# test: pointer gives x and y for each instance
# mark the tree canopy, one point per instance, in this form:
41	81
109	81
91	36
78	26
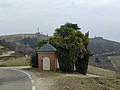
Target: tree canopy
71	45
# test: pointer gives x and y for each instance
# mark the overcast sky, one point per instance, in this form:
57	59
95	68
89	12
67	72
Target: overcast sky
100	17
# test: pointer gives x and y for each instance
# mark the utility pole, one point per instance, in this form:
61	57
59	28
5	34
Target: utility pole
47	38
24	44
38	30
38	33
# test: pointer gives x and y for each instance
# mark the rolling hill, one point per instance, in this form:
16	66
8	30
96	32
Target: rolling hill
98	45
18	37
101	48
23	43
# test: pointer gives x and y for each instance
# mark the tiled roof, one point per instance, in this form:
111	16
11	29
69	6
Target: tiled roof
47	48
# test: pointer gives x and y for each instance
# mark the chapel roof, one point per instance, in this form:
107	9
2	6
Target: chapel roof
47	48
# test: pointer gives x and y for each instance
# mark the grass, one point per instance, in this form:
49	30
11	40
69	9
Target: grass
110	81
77	83
91	70
17	37
63	81
41	73
11	38
1	47
116	61
6	58
101	72
14	61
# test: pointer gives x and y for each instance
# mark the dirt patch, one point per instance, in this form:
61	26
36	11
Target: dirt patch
48	80
63	82
46	83
73	82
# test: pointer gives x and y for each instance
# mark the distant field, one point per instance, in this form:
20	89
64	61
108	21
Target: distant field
101	72
102	62
17	37
1	47
116	62
2	50
14	61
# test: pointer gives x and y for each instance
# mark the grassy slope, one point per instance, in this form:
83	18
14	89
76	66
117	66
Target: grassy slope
17	37
101	72
116	61
99	45
62	81
110	82
14	61
1	47
104	62
77	83
44	74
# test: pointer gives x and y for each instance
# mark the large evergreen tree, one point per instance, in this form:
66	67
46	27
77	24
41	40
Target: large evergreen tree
72	47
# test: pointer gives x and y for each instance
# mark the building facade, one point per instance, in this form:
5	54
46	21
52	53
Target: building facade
47	59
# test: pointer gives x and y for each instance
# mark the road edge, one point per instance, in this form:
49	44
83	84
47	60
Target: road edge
31	79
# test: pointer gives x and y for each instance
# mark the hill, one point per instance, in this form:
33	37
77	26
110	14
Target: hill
105	53
98	45
18	37
23	43
101	48
115	60
101	61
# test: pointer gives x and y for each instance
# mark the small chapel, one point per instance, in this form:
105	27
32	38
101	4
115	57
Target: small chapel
47	58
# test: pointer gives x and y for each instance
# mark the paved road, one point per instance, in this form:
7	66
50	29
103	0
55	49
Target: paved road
14	80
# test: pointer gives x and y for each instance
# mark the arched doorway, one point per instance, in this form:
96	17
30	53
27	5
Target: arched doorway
46	63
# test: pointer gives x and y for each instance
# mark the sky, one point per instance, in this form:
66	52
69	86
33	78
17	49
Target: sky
99	17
